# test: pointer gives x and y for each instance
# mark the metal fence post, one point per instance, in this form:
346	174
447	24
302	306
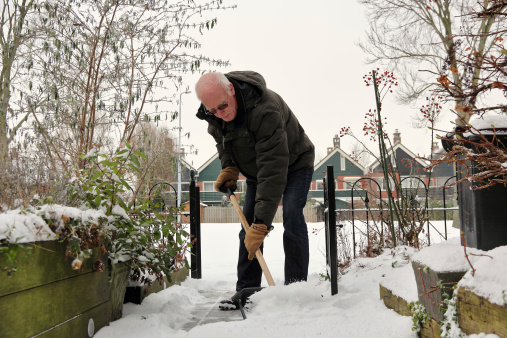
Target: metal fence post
195	229
330	224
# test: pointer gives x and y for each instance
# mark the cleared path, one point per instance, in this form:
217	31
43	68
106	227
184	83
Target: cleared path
208	311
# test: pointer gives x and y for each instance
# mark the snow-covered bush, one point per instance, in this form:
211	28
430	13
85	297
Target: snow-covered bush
102	217
154	241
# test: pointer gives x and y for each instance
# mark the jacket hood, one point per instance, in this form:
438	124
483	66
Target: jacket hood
253	78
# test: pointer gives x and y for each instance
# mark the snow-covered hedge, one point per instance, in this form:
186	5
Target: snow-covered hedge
155	242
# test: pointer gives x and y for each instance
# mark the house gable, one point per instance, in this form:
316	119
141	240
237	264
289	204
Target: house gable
334	158
186	168
443	169
210	170
406	161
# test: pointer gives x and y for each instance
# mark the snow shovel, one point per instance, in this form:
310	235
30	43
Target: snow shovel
258	253
247	292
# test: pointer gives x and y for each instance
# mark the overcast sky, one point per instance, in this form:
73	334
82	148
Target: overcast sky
307	52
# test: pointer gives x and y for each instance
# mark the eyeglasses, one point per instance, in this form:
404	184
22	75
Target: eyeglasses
223	106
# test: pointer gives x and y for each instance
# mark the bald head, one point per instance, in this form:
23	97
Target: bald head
215	91
210	84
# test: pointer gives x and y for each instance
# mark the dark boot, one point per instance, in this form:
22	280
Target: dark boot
233	303
240	297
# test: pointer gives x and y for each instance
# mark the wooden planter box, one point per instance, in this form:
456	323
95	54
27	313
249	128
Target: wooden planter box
46	297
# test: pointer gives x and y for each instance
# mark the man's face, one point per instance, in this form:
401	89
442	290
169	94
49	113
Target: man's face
222	104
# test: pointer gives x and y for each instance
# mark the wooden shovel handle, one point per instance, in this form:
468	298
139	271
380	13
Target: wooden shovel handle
258	253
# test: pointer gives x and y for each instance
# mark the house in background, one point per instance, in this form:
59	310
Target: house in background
441	175
409	168
411	172
206	177
186	169
347	172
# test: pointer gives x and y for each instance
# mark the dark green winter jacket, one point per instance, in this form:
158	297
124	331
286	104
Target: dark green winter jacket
265	140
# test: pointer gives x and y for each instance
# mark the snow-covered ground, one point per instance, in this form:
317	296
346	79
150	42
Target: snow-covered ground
298	310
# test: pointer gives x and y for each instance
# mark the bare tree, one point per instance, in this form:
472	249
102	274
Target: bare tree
14	15
103	67
429	44
160	164
480	152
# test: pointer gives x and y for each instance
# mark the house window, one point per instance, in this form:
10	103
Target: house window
208	186
391	184
342	163
348	182
320	186
411	183
185	186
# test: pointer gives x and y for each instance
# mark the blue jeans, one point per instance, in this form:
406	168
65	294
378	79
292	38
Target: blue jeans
295	236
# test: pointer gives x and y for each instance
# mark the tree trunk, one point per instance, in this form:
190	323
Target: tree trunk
10	44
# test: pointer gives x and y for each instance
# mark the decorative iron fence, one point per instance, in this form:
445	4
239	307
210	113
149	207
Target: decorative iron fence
366	213
162	196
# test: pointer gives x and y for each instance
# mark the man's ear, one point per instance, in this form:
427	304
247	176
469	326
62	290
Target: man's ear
231	88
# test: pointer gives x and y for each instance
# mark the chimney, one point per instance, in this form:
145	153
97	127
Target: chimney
435	147
182	150
396	137
329	150
336	141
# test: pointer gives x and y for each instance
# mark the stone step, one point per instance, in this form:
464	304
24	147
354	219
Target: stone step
476	314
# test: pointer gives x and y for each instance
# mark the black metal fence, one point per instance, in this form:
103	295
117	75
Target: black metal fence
410	194
332	216
163	199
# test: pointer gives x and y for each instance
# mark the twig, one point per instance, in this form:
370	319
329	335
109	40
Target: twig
424	287
466	255
481	255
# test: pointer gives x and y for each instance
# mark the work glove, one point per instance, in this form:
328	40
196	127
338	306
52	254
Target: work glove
227	179
254	238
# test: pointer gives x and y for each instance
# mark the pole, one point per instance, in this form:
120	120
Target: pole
178	201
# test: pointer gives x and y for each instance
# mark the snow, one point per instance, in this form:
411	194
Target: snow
93	152
490	279
58	212
17	226
488	121
29	226
401	280
455	259
304	309
117	210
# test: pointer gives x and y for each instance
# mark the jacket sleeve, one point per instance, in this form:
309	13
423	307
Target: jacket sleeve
272	152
